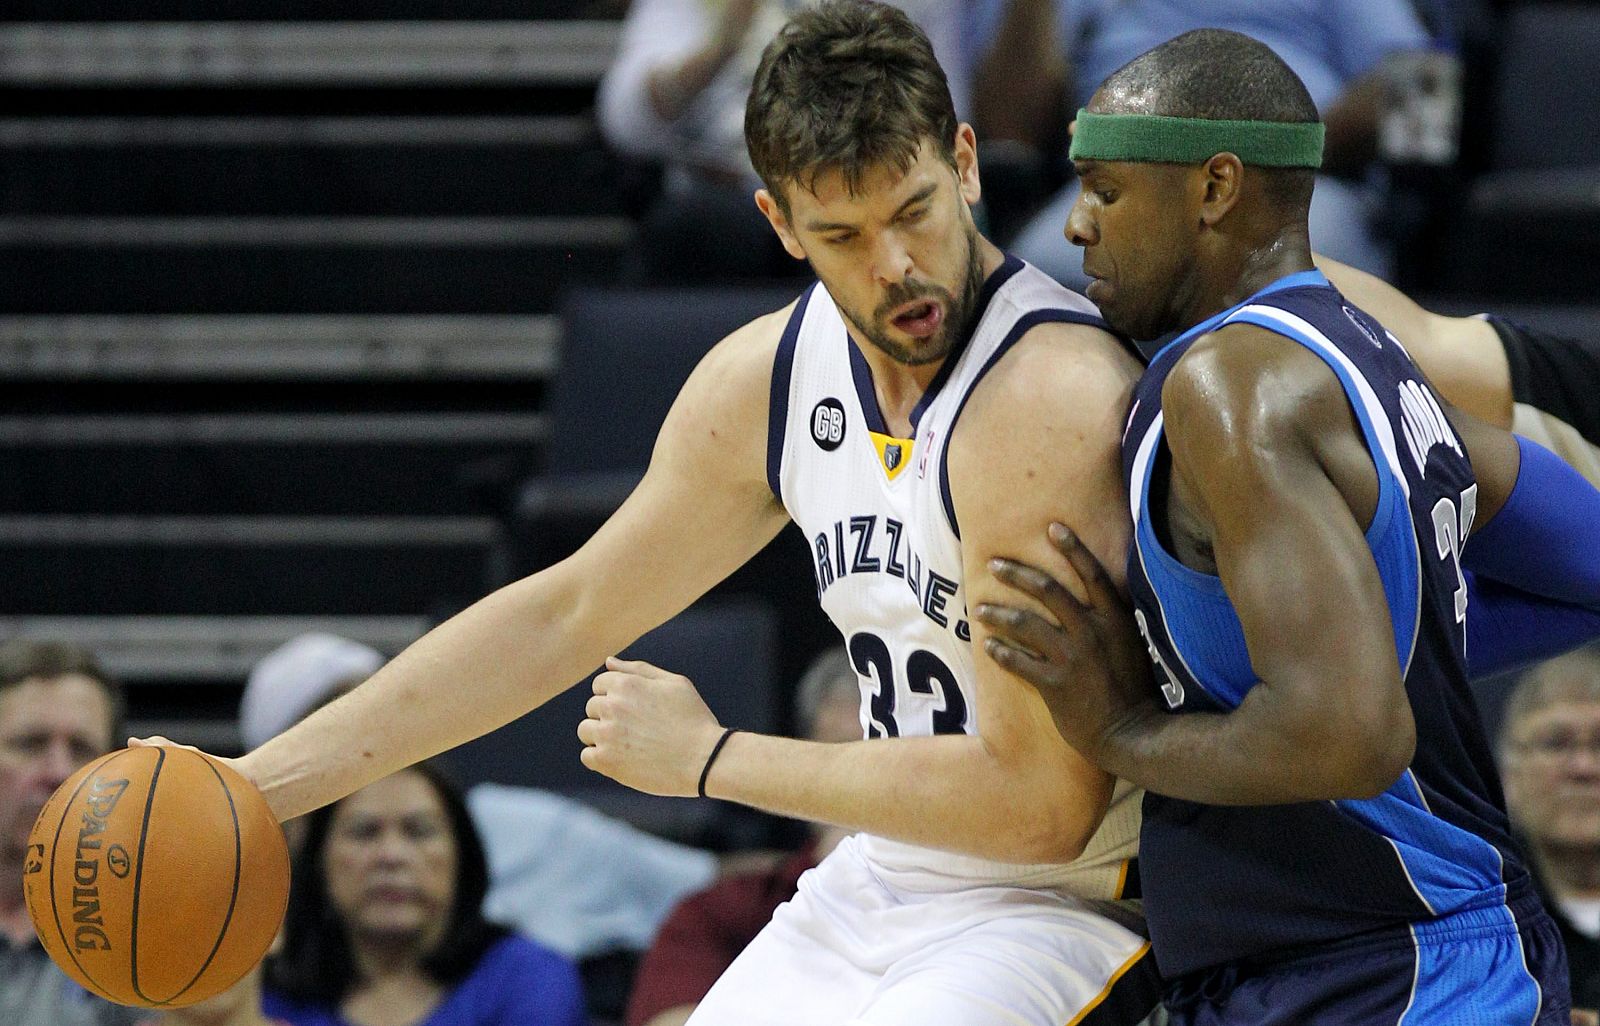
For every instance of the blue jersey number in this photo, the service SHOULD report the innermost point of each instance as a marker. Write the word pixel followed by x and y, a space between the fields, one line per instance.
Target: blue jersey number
pixel 926 674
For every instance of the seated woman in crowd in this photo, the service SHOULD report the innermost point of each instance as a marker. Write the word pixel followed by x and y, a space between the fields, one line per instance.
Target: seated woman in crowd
pixel 385 924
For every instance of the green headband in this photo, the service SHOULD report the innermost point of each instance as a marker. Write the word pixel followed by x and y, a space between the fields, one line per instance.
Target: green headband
pixel 1150 138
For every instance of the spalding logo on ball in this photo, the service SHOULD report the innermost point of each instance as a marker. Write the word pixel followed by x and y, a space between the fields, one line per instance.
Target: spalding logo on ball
pixel 156 877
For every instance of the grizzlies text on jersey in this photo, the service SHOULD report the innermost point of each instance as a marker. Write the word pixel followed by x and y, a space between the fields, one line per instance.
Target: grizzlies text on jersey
pixel 886 545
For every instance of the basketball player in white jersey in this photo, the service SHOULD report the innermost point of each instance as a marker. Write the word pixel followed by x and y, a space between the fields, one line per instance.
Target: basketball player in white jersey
pixel 926 407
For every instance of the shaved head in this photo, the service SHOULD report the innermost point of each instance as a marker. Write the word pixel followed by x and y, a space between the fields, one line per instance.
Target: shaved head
pixel 1216 75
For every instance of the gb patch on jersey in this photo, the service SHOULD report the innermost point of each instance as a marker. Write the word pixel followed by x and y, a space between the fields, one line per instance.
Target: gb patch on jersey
pixel 827 424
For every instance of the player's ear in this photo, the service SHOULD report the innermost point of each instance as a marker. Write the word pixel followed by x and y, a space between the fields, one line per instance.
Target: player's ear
pixel 773 210
pixel 966 156
pixel 1224 179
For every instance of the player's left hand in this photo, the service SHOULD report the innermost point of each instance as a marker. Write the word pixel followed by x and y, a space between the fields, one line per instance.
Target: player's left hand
pixel 648 729
pixel 1090 665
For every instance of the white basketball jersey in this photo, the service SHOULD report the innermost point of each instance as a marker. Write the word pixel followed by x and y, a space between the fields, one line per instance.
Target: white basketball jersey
pixel 886 545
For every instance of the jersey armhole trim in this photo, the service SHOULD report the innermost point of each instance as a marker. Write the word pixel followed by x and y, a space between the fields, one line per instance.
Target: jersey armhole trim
pixel 778 404
pixel 1024 324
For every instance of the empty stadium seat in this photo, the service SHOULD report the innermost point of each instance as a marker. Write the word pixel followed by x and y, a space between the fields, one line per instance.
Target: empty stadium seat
pixel 625 354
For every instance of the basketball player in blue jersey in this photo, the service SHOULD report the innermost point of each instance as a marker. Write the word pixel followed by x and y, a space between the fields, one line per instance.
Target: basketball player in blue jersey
pixel 1324 838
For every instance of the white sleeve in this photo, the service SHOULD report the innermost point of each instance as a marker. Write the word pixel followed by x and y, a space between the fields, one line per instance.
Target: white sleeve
pixel 655 33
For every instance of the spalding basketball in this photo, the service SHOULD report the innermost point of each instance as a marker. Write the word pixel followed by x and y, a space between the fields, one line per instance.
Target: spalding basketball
pixel 156 877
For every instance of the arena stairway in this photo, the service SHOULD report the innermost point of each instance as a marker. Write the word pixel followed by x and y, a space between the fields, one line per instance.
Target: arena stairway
pixel 276 317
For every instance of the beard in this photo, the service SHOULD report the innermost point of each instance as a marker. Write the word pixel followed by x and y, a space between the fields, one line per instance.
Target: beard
pixel 958 313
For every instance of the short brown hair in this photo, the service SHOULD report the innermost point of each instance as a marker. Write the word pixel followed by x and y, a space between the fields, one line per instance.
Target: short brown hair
pixel 846 86
pixel 23 659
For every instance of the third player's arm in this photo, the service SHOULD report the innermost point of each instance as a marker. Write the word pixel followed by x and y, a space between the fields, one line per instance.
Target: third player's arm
pixel 702 509
pixel 1037 442
pixel 1463 357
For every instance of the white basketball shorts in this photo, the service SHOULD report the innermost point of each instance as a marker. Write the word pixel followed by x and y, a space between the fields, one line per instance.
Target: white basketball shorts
pixel 859 947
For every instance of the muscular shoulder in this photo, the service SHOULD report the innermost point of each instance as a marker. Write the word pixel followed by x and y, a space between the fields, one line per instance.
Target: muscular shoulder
pixel 1251 414
pixel 1243 392
pixel 742 362
pixel 717 426
pixel 1040 441
pixel 732 383
pixel 1057 378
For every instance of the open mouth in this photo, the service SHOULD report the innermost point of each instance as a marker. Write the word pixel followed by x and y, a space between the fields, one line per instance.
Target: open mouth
pixel 919 319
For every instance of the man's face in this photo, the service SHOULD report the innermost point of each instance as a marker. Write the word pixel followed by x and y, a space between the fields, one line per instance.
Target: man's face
pixel 1138 225
pixel 49 727
pixel 1552 776
pixel 899 255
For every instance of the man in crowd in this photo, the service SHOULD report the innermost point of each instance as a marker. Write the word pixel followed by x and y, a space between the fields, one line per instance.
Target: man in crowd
pixel 1550 757
pixel 58 711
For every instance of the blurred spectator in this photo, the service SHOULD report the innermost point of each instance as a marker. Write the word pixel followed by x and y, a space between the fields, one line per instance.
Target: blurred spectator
pixel 385 924
pixel 239 1005
pixel 298 677
pixel 576 879
pixel 571 878
pixel 1335 46
pixel 708 930
pixel 676 94
pixel 1550 753
pixel 58 711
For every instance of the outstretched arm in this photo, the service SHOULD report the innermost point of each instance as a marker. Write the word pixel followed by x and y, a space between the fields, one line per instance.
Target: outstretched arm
pixel 532 639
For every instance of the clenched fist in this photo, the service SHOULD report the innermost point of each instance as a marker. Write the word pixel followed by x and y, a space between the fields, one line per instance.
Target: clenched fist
pixel 648 729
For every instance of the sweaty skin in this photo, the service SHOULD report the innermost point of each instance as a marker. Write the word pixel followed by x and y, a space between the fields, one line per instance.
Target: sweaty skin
pixel 1270 489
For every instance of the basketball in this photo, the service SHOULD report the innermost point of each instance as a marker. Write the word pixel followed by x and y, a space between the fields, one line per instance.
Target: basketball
pixel 156 877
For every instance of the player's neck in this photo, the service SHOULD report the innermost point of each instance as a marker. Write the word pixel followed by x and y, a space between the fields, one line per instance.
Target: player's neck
pixel 380 960
pixel 1570 870
pixel 1235 272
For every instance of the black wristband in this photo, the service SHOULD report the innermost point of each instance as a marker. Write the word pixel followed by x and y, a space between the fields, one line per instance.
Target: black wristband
pixel 716 750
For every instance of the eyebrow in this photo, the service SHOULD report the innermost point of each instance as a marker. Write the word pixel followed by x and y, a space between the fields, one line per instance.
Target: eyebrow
pixel 919 196
pixel 1085 166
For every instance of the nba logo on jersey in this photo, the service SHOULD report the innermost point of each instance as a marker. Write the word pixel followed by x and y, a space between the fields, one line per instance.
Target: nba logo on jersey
pixel 827 424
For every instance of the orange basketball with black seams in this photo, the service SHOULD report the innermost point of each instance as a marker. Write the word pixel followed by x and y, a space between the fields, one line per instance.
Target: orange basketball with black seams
pixel 156 877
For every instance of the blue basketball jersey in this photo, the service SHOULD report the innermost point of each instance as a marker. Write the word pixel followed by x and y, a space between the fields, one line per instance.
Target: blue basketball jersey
pixel 1226 884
